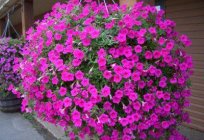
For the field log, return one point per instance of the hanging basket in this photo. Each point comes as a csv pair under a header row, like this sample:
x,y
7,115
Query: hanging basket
x,y
108,72
9,56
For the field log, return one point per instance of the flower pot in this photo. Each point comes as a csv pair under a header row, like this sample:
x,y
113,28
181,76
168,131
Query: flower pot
x,y
10,103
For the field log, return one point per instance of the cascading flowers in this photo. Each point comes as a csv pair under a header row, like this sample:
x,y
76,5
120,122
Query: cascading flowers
x,y
10,54
107,72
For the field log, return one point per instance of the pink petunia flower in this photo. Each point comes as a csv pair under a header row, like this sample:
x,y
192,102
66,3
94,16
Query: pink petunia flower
x,y
59,48
136,76
121,37
79,75
78,54
55,80
62,91
148,55
105,91
117,78
107,74
67,102
138,49
66,76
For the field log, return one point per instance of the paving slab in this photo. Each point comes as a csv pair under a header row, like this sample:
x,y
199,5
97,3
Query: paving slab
x,y
13,126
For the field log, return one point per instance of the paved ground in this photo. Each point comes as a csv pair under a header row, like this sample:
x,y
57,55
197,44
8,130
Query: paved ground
x,y
13,126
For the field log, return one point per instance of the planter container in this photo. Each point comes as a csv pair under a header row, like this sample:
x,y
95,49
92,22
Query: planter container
x,y
10,103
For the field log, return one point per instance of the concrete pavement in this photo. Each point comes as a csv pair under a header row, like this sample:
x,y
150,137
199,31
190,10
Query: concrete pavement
x,y
13,126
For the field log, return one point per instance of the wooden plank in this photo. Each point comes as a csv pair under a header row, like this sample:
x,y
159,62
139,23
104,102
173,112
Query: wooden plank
x,y
181,2
198,65
198,72
198,42
195,114
197,102
194,34
195,50
196,83
197,94
187,13
190,27
198,88
2,22
27,15
198,122
199,57
185,7
199,78
187,20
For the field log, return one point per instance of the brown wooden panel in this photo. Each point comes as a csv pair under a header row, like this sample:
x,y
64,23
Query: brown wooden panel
x,y
196,114
187,20
187,13
180,2
198,42
197,121
195,34
198,65
190,27
197,93
198,78
187,6
2,22
197,102
195,49
27,15
198,72
197,88
199,57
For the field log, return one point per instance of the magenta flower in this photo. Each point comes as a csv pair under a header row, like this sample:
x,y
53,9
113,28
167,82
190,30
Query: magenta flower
x,y
62,91
103,118
66,76
107,74
105,91
141,40
165,124
138,49
67,102
79,75
148,55
121,37
136,76
117,78
78,54
102,61
59,48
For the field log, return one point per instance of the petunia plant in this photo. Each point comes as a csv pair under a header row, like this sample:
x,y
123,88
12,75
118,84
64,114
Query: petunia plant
x,y
107,72
10,54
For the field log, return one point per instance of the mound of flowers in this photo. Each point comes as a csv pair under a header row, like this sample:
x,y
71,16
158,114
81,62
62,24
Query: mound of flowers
x,y
10,53
108,72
